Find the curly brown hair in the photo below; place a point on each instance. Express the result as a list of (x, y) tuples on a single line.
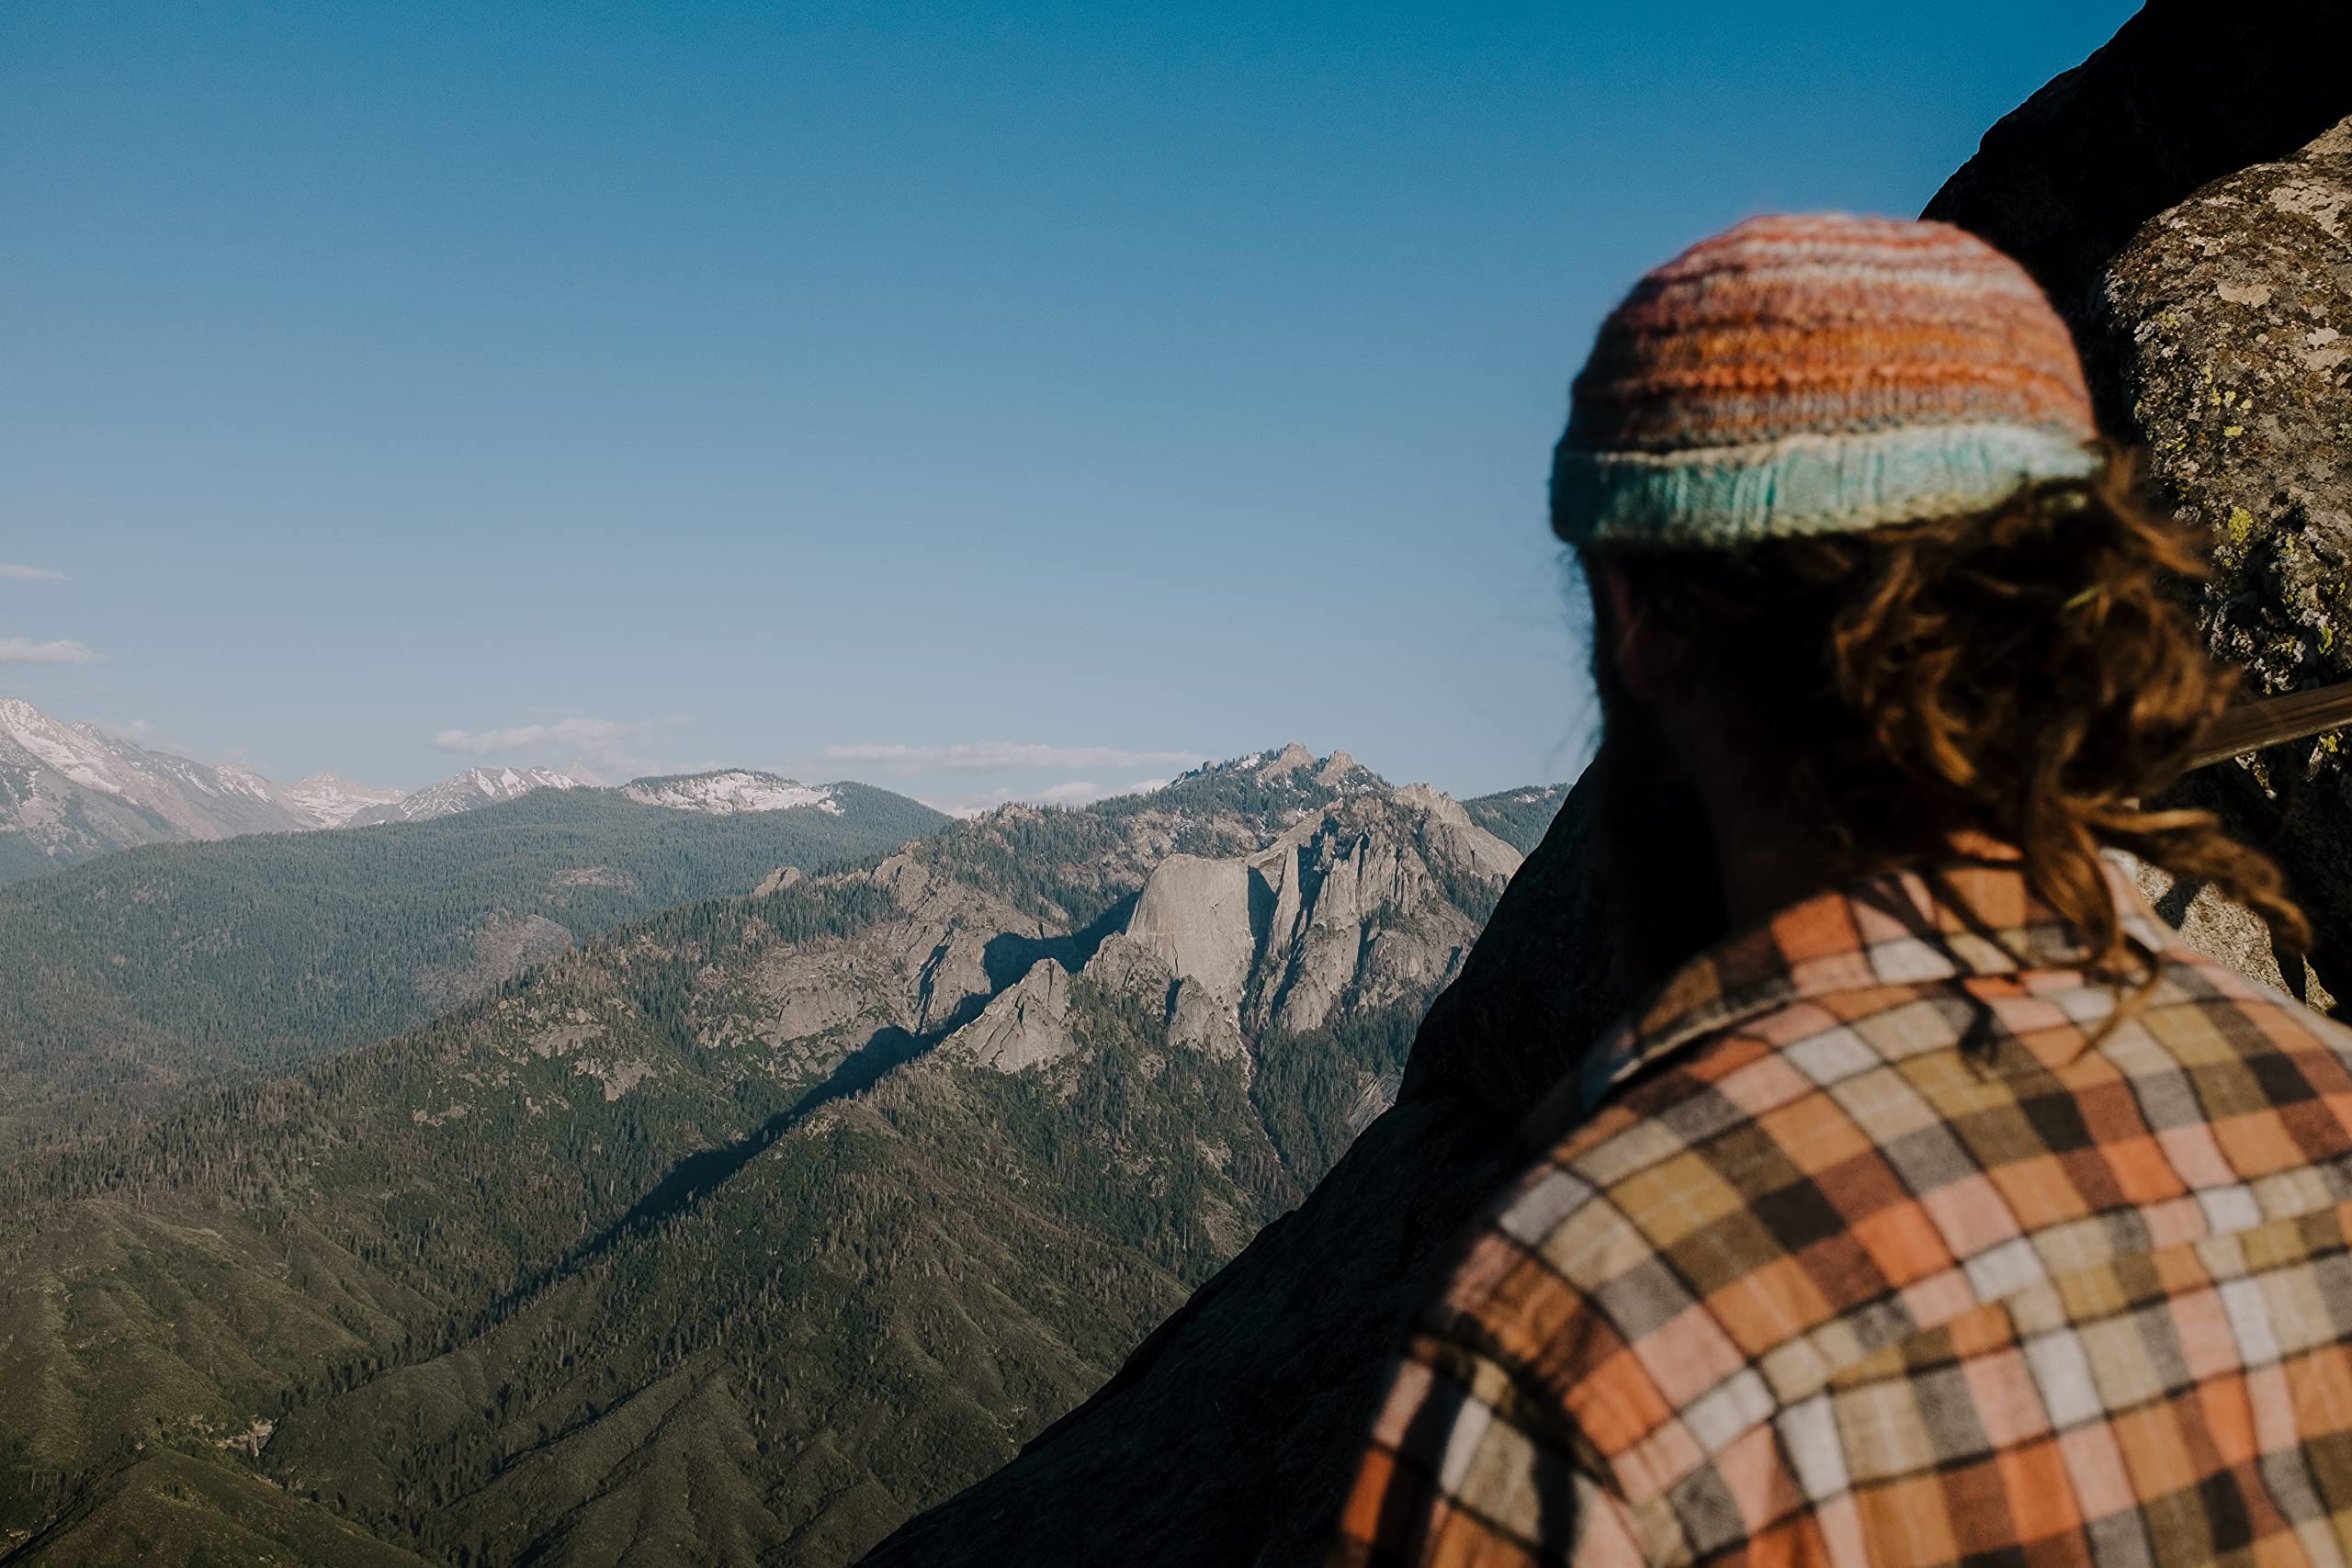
[(2027, 673)]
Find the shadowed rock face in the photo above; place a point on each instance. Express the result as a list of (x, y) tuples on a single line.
[(2186, 91), (1228, 1435)]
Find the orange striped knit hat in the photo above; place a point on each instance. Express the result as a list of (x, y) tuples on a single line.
[(1823, 374)]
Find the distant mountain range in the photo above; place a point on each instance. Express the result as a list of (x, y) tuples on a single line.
[(333, 802), (737, 1231), (139, 975), (473, 788), (71, 792)]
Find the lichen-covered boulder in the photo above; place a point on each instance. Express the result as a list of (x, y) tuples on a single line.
[(2220, 337), (2223, 337)]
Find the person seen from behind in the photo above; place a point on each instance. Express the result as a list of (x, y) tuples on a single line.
[(1939, 1205)]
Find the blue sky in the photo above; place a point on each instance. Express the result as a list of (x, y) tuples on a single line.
[(832, 387)]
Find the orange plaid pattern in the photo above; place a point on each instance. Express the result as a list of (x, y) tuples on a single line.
[(1862, 1253)]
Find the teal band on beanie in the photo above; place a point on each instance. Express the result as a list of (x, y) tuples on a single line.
[(1814, 374), (1802, 484)]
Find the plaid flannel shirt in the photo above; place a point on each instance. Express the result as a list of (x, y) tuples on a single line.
[(1862, 1253)]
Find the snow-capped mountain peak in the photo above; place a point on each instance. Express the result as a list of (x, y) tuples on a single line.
[(71, 791), (475, 786), (332, 801), (77, 751), (733, 790)]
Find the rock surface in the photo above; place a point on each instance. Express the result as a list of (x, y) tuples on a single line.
[(1194, 917), (1022, 1027), (2222, 336), (2231, 932), (777, 881), (2186, 196), (2186, 91)]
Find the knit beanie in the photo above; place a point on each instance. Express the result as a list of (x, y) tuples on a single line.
[(1817, 374)]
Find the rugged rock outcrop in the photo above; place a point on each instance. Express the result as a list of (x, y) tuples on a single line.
[(1291, 759), (1194, 917), (1198, 1017), (2222, 336), (1022, 1027), (1228, 1435), (777, 881), (2231, 932), (1226, 1438), (918, 975), (1344, 907)]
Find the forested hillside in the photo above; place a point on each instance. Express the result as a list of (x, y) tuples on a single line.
[(143, 973), (742, 1231), (1520, 817)]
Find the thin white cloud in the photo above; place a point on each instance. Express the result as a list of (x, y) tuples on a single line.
[(1085, 792), (578, 731), (962, 810), (591, 749), (63, 650), (1072, 791), (996, 756), (30, 573)]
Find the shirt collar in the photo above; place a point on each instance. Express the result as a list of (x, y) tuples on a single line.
[(1959, 921)]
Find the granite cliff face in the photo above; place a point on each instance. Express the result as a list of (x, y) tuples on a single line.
[(1344, 906), (2184, 200)]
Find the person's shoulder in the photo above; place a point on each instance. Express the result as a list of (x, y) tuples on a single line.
[(2202, 984), (1577, 1247)]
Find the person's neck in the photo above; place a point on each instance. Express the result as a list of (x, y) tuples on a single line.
[(1768, 855), (1765, 865), (1767, 859)]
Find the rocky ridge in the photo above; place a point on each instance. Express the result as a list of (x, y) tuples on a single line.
[(72, 791)]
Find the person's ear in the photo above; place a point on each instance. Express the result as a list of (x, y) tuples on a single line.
[(1637, 643)]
